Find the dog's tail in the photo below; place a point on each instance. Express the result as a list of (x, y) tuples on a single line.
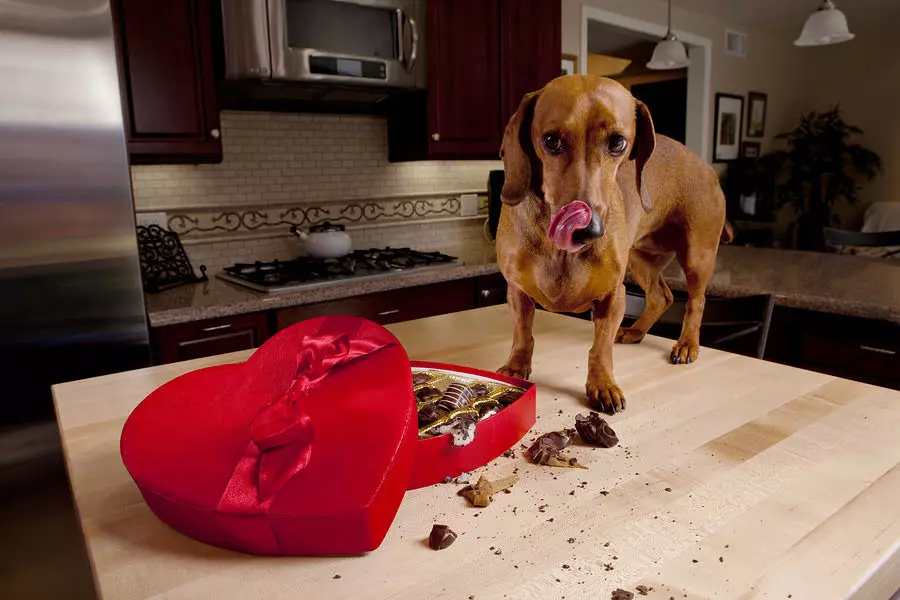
[(727, 234)]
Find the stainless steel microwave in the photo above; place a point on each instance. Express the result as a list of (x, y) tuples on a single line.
[(368, 42)]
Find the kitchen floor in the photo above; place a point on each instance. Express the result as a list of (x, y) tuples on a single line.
[(42, 553)]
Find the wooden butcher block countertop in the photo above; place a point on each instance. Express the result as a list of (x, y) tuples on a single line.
[(734, 478)]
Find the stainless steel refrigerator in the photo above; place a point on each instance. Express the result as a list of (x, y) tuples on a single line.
[(71, 304)]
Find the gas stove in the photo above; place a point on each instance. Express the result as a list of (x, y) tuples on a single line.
[(306, 272)]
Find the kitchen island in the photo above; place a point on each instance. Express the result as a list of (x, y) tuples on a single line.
[(733, 478)]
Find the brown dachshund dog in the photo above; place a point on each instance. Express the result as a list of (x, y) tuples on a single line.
[(591, 191)]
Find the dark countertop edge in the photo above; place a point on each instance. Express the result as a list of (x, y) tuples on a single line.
[(264, 301)]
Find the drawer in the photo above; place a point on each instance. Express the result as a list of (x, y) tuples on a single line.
[(389, 307), (209, 337), (853, 348)]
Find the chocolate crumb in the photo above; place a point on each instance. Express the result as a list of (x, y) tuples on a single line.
[(721, 559), (441, 537), (604, 493), (608, 566), (606, 545), (668, 489), (498, 552), (336, 577), (565, 567), (621, 594), (694, 560), (572, 493), (550, 520), (571, 540), (643, 590)]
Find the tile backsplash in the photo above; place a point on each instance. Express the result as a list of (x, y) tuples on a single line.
[(299, 158), (283, 168)]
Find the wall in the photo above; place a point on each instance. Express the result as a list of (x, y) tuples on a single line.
[(773, 64), (863, 76), (283, 169)]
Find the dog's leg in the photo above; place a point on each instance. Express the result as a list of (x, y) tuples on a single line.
[(646, 270), (521, 307), (698, 262), (601, 389)]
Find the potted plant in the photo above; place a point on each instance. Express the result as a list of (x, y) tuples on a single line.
[(820, 168)]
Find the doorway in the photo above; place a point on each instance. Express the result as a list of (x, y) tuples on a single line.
[(619, 47)]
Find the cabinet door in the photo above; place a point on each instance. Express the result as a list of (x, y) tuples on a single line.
[(167, 80), (530, 49), (463, 70)]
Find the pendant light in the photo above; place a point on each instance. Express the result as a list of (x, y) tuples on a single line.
[(826, 26), (669, 53)]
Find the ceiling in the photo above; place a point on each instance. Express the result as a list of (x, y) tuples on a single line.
[(789, 15)]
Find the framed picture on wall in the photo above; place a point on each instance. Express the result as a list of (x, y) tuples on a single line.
[(729, 122), (750, 149), (756, 114), (569, 65)]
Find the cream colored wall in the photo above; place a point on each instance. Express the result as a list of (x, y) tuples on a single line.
[(863, 76), (773, 64)]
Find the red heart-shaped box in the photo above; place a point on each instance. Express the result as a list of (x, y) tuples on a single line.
[(306, 448), (227, 456)]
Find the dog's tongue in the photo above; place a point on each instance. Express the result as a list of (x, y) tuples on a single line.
[(572, 217)]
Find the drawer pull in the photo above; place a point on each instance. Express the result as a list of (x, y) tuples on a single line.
[(485, 293), (878, 350), (216, 328), (385, 313)]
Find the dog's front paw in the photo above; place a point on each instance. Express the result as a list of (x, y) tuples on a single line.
[(629, 335), (514, 370), (605, 397), (684, 352)]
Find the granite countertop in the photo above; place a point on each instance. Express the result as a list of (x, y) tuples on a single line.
[(856, 286), (219, 298), (848, 285)]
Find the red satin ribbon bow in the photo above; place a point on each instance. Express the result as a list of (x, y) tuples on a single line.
[(282, 432)]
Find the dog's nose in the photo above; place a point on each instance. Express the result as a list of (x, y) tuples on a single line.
[(593, 231)]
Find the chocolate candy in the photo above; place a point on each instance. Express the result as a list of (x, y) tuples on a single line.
[(427, 393), (463, 430), (428, 414), (507, 397), (456, 396), (621, 594), (547, 450), (441, 537), (479, 390), (420, 377), (594, 429)]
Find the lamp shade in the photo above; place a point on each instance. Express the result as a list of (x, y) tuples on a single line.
[(826, 26), (669, 54)]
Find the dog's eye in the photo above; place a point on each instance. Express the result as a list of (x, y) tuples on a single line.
[(553, 143), (616, 144)]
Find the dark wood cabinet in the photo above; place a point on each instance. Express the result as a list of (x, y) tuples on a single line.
[(490, 290), (209, 337), (530, 49), (167, 80), (392, 306), (484, 56), (463, 66)]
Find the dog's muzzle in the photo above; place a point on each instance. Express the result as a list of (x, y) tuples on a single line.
[(575, 225)]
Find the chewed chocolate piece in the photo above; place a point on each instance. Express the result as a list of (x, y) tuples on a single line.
[(420, 377), (547, 450), (463, 430), (594, 429), (508, 397), (482, 493), (621, 594), (479, 390), (441, 537), (428, 414), (456, 396), (427, 393)]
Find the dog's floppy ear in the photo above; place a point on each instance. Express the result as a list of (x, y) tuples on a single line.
[(642, 148), (517, 153)]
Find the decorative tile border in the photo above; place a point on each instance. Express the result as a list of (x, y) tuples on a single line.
[(276, 219)]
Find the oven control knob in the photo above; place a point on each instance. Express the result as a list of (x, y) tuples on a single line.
[(436, 137)]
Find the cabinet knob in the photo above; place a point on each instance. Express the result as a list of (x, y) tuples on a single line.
[(436, 137), (485, 293), (214, 133)]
